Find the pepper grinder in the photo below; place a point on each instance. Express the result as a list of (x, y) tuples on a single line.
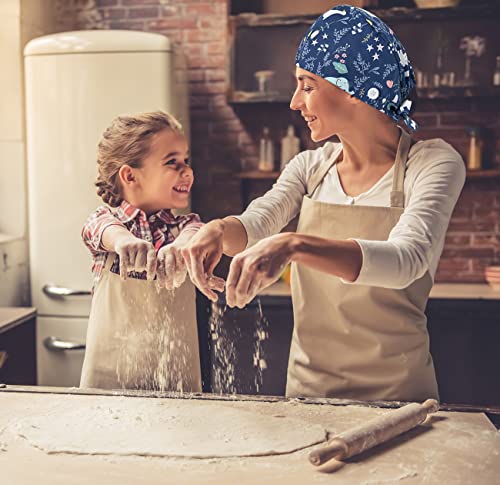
[(474, 161)]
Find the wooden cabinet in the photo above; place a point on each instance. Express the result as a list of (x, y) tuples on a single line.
[(17, 346), (465, 338)]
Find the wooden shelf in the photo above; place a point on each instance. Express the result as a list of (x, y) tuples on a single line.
[(445, 92), (392, 14), (477, 174), (257, 175)]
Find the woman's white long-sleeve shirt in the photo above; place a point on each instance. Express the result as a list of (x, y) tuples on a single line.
[(434, 178)]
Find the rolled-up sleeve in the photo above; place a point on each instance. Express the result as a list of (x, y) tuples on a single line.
[(416, 241), (95, 225), (268, 214)]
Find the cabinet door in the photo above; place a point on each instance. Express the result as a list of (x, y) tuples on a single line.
[(60, 346), (464, 345)]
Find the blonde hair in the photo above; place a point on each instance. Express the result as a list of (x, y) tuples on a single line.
[(127, 142)]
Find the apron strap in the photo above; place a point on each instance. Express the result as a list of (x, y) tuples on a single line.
[(397, 192), (319, 175), (110, 259)]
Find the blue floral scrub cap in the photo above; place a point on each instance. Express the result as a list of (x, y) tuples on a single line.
[(357, 52)]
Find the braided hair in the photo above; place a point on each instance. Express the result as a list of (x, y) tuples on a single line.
[(127, 142)]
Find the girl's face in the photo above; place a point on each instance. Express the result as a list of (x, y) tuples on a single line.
[(165, 177), (327, 109)]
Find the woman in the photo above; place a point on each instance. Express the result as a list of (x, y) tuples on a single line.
[(374, 210)]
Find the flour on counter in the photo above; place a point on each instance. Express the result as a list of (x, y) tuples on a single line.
[(170, 428)]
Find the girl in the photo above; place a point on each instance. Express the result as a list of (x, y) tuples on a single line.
[(139, 336)]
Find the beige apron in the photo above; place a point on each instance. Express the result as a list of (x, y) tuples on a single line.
[(356, 341), (141, 337)]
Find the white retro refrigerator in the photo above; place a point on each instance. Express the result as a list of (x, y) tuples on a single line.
[(76, 83)]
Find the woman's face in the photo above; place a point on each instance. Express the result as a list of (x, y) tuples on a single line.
[(327, 109)]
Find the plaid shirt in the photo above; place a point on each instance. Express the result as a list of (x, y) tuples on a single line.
[(157, 229)]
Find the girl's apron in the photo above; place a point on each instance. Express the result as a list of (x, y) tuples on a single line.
[(141, 337), (356, 341)]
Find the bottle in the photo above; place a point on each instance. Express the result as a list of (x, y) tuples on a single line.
[(290, 146), (475, 148), (496, 75), (266, 152)]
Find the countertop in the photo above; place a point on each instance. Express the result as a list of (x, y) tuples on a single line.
[(459, 291), (11, 317), (451, 447)]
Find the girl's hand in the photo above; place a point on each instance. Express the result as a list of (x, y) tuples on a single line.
[(171, 270), (135, 255), (257, 267), (201, 254)]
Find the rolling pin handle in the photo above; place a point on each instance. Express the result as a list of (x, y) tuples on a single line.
[(336, 448), (431, 406)]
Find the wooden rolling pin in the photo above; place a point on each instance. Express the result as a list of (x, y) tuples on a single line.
[(374, 432)]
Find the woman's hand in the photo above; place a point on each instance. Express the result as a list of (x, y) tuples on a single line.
[(135, 255), (258, 267), (201, 254)]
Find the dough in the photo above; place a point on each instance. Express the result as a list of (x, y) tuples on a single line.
[(165, 427)]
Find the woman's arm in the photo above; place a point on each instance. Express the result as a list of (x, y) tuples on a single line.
[(262, 264), (433, 183)]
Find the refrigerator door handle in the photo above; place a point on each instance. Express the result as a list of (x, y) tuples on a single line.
[(54, 291), (57, 345)]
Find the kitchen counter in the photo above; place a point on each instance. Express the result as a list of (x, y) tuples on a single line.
[(11, 317), (450, 447), (459, 291)]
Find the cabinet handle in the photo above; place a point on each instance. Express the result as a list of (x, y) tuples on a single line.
[(54, 291), (57, 345)]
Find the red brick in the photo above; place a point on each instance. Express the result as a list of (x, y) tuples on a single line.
[(486, 213), (201, 9), (216, 48), (478, 265), (199, 101), (492, 240), (469, 253), (216, 61), (115, 13), (196, 75), (193, 50), (106, 3), (459, 240), (140, 2), (169, 10), (172, 23), (455, 264), (218, 101), (216, 75), (200, 35), (143, 12), (127, 24), (218, 22), (460, 277), (207, 88)]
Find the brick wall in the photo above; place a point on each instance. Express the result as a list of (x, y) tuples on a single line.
[(222, 138)]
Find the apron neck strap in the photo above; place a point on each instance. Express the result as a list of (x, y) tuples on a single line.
[(319, 175), (397, 192)]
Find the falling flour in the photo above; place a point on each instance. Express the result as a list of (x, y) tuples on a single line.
[(225, 357)]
